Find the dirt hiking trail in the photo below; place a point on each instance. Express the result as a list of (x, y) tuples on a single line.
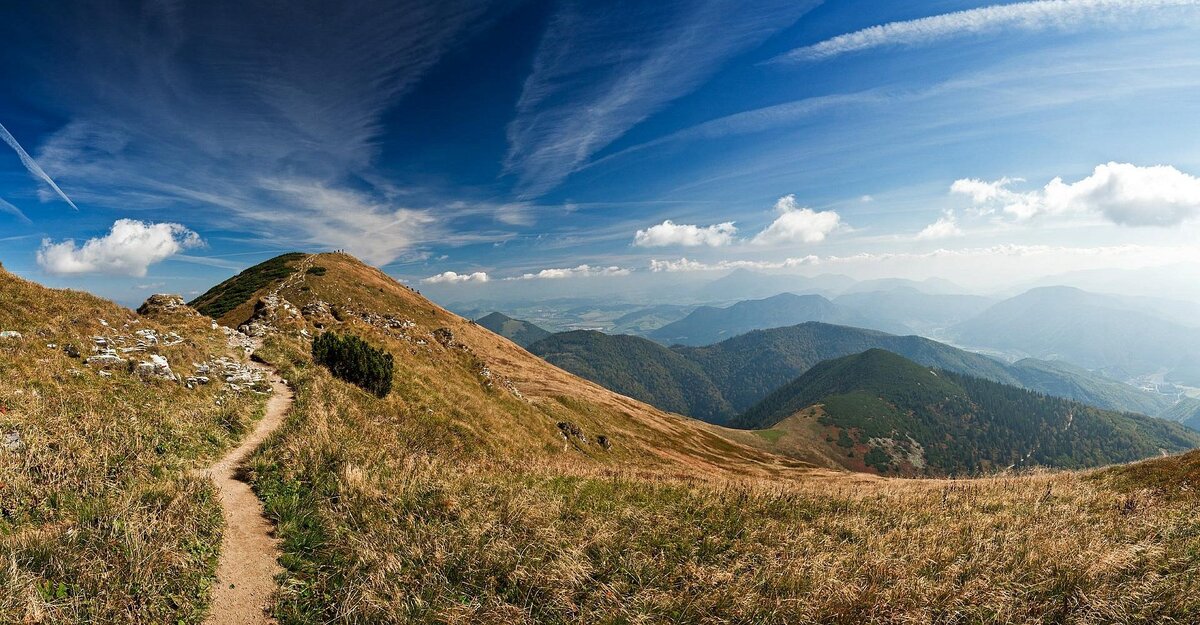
[(249, 552)]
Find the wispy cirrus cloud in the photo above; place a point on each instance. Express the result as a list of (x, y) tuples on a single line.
[(7, 207), (603, 68), (33, 167), (264, 118), (1039, 15)]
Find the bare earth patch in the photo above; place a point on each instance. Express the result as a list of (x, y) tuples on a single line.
[(249, 552)]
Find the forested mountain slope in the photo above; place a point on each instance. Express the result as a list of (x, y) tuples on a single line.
[(892, 415)]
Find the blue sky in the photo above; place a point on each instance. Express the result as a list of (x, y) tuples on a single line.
[(466, 145)]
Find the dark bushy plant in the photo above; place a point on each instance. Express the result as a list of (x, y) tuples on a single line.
[(353, 360)]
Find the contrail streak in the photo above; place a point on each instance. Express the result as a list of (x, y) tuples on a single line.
[(32, 165), (6, 207)]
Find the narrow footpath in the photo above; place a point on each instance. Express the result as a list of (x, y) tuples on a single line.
[(249, 552)]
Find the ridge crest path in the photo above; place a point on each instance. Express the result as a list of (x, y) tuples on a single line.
[(249, 551)]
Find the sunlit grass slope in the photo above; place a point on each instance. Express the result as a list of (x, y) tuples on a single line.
[(101, 520)]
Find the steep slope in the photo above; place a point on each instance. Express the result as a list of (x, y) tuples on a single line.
[(707, 325), (1093, 331), (639, 368), (103, 415), (893, 415), (520, 332)]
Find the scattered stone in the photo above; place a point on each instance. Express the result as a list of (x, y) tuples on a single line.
[(70, 350), (445, 336), (13, 442), (603, 441), (106, 358), (156, 367), (570, 431), (10, 334)]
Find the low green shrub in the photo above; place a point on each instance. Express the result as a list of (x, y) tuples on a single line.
[(353, 360)]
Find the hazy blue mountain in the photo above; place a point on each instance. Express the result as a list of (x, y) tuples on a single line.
[(747, 284), (707, 324), (1087, 329), (650, 318), (520, 332), (893, 415), (639, 368), (931, 286), (908, 310)]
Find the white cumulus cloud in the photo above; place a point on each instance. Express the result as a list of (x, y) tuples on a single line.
[(129, 248), (1039, 15), (686, 235), (450, 277), (796, 224), (582, 271), (944, 228), (686, 265), (1122, 193)]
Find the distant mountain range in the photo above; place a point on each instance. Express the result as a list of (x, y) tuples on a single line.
[(1098, 332), (707, 324), (746, 368), (520, 332), (878, 411)]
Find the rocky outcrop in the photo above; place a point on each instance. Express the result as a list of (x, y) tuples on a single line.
[(165, 303)]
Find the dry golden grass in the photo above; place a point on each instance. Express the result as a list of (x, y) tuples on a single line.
[(100, 519)]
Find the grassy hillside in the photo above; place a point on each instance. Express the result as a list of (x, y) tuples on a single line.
[(892, 415), (102, 518), (639, 368), (520, 332)]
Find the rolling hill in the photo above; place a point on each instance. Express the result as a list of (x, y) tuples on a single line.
[(747, 368), (892, 415), (520, 332)]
